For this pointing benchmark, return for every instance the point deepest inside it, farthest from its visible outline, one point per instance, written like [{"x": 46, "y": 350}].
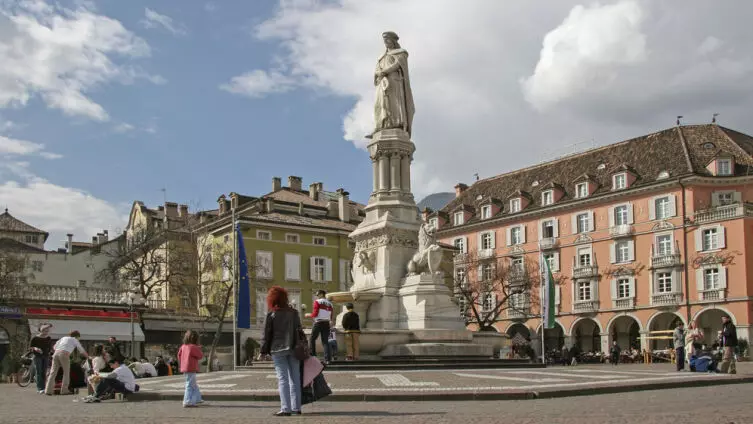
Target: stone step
[{"x": 424, "y": 364}]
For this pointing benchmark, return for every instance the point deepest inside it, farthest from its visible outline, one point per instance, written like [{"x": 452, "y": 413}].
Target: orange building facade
[{"x": 640, "y": 236}]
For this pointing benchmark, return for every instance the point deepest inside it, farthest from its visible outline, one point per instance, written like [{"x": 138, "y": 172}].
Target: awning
[{"x": 90, "y": 330}]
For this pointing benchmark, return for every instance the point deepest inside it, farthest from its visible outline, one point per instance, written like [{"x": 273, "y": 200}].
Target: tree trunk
[{"x": 218, "y": 333}]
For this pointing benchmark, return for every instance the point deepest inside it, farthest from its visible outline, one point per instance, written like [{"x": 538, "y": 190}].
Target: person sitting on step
[{"x": 121, "y": 380}]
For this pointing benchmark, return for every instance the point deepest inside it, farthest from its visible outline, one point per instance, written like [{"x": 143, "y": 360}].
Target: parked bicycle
[{"x": 26, "y": 375}]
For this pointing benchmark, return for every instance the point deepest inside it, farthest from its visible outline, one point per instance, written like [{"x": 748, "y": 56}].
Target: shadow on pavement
[{"x": 368, "y": 413}]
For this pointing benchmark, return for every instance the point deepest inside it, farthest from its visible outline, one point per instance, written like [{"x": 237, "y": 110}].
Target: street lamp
[{"x": 133, "y": 298}]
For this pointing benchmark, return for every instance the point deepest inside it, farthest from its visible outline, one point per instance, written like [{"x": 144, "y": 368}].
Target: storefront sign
[{"x": 10, "y": 311}]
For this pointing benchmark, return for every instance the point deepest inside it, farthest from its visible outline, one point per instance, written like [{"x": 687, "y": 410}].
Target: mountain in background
[{"x": 435, "y": 201}]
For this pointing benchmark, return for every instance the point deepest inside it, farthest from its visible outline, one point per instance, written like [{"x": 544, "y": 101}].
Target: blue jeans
[
  {"x": 288, "y": 380},
  {"x": 192, "y": 395},
  {"x": 320, "y": 330},
  {"x": 40, "y": 369}
]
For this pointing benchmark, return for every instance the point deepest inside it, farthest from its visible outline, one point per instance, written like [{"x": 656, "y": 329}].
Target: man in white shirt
[
  {"x": 120, "y": 380},
  {"x": 62, "y": 359},
  {"x": 149, "y": 369}
]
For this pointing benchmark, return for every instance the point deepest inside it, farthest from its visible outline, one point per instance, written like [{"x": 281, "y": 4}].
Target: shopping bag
[{"x": 318, "y": 389}]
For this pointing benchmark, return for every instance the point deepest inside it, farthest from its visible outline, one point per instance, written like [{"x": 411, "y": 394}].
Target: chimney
[
  {"x": 425, "y": 214},
  {"x": 94, "y": 240},
  {"x": 314, "y": 190},
  {"x": 69, "y": 245},
  {"x": 270, "y": 205},
  {"x": 276, "y": 183},
  {"x": 343, "y": 204},
  {"x": 222, "y": 205},
  {"x": 183, "y": 211},
  {"x": 171, "y": 209},
  {"x": 459, "y": 189},
  {"x": 332, "y": 207},
  {"x": 294, "y": 183}
]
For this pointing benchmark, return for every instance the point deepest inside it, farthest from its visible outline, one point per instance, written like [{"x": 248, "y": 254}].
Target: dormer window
[
  {"x": 434, "y": 222},
  {"x": 458, "y": 218},
  {"x": 515, "y": 205},
  {"x": 547, "y": 197},
  {"x": 581, "y": 190},
  {"x": 486, "y": 211},
  {"x": 724, "y": 167},
  {"x": 619, "y": 181}
]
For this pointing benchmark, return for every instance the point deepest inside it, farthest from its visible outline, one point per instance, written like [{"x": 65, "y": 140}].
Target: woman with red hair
[{"x": 281, "y": 328}]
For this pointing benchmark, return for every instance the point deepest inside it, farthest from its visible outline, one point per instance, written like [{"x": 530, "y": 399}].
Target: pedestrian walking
[
  {"x": 282, "y": 329},
  {"x": 41, "y": 347},
  {"x": 62, "y": 359},
  {"x": 322, "y": 315},
  {"x": 614, "y": 353},
  {"x": 693, "y": 340},
  {"x": 189, "y": 356},
  {"x": 678, "y": 339},
  {"x": 729, "y": 343},
  {"x": 352, "y": 327}
]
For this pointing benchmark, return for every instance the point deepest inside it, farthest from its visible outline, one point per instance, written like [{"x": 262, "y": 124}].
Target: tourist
[
  {"x": 62, "y": 359},
  {"x": 120, "y": 380},
  {"x": 352, "y": 327},
  {"x": 161, "y": 367},
  {"x": 693, "y": 340},
  {"x": 322, "y": 315},
  {"x": 112, "y": 348},
  {"x": 332, "y": 342},
  {"x": 41, "y": 345},
  {"x": 729, "y": 343},
  {"x": 142, "y": 369},
  {"x": 98, "y": 361},
  {"x": 189, "y": 355},
  {"x": 678, "y": 338},
  {"x": 149, "y": 369},
  {"x": 614, "y": 352},
  {"x": 282, "y": 327}
]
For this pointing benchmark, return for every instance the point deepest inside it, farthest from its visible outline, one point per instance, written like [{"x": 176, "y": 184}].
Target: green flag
[{"x": 547, "y": 301}]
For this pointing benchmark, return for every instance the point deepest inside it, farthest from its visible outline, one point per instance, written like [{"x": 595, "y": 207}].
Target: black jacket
[
  {"x": 729, "y": 335},
  {"x": 350, "y": 322},
  {"x": 281, "y": 329}
]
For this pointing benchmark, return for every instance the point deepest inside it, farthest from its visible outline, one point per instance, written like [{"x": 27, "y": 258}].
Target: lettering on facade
[
  {"x": 718, "y": 258},
  {"x": 625, "y": 270}
]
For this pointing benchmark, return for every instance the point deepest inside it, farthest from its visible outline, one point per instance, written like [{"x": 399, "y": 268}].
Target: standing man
[
  {"x": 615, "y": 353},
  {"x": 322, "y": 315},
  {"x": 41, "y": 345},
  {"x": 112, "y": 348},
  {"x": 678, "y": 337},
  {"x": 729, "y": 343},
  {"x": 62, "y": 359},
  {"x": 352, "y": 327}
]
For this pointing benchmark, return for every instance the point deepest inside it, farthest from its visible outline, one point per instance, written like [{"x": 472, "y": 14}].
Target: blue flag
[{"x": 244, "y": 290}]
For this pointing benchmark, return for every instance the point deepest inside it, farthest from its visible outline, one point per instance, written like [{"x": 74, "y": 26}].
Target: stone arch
[
  {"x": 554, "y": 338},
  {"x": 663, "y": 321},
  {"x": 518, "y": 325},
  {"x": 585, "y": 333},
  {"x": 626, "y": 335},
  {"x": 598, "y": 324},
  {"x": 4, "y": 342},
  {"x": 556, "y": 321},
  {"x": 657, "y": 314},
  {"x": 625, "y": 314},
  {"x": 711, "y": 325},
  {"x": 716, "y": 308}
]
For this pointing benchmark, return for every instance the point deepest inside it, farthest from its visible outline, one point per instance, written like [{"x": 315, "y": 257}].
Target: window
[
  {"x": 663, "y": 175},
  {"x": 37, "y": 266},
  {"x": 726, "y": 198},
  {"x": 710, "y": 239},
  {"x": 622, "y": 251},
  {"x": 320, "y": 241},
  {"x": 458, "y": 218},
  {"x": 487, "y": 241},
  {"x": 516, "y": 263},
  {"x": 619, "y": 181},
  {"x": 434, "y": 222},
  {"x": 516, "y": 235},
  {"x": 664, "y": 245},
  {"x": 547, "y": 229},
  {"x": 711, "y": 279},
  {"x": 292, "y": 238},
  {"x": 664, "y": 282},
  {"x": 623, "y": 288},
  {"x": 460, "y": 278},
  {"x": 226, "y": 239},
  {"x": 547, "y": 197},
  {"x": 581, "y": 190},
  {"x": 723, "y": 167},
  {"x": 264, "y": 235},
  {"x": 584, "y": 257},
  {"x": 486, "y": 212},
  {"x": 621, "y": 215},
  {"x": 292, "y": 267},
  {"x": 226, "y": 267},
  {"x": 584, "y": 290},
  {"x": 463, "y": 305},
  {"x": 514, "y": 205},
  {"x": 264, "y": 264},
  {"x": 460, "y": 244},
  {"x": 581, "y": 221},
  {"x": 489, "y": 302},
  {"x": 663, "y": 210},
  {"x": 552, "y": 260},
  {"x": 32, "y": 239},
  {"x": 487, "y": 272},
  {"x": 318, "y": 269},
  {"x": 185, "y": 300}
]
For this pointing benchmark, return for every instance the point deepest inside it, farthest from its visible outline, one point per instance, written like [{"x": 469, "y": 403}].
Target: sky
[{"x": 105, "y": 102}]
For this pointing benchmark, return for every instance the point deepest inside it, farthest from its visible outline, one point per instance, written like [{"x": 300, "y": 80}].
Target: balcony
[
  {"x": 63, "y": 294},
  {"x": 520, "y": 312},
  {"x": 712, "y": 295},
  {"x": 666, "y": 260},
  {"x": 156, "y": 304},
  {"x": 585, "y": 306},
  {"x": 625, "y": 230},
  {"x": 485, "y": 253},
  {"x": 721, "y": 213},
  {"x": 517, "y": 276},
  {"x": 666, "y": 299},
  {"x": 586, "y": 271},
  {"x": 548, "y": 243},
  {"x": 625, "y": 303},
  {"x": 460, "y": 258}
]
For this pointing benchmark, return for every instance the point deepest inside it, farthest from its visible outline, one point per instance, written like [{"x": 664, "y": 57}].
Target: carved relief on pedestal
[{"x": 386, "y": 236}]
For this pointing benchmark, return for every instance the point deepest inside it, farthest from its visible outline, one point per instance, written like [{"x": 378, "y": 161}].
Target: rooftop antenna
[
  {"x": 678, "y": 120},
  {"x": 475, "y": 176},
  {"x": 713, "y": 118}
]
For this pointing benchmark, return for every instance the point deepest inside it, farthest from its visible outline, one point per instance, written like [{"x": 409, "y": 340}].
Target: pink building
[{"x": 641, "y": 234}]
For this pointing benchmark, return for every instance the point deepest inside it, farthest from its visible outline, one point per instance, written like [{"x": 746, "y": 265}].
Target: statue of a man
[{"x": 394, "y": 99}]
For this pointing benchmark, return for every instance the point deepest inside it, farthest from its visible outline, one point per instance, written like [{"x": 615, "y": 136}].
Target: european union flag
[{"x": 243, "y": 318}]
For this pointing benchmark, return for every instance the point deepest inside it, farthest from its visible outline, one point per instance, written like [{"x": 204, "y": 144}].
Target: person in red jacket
[
  {"x": 322, "y": 315},
  {"x": 189, "y": 355}
]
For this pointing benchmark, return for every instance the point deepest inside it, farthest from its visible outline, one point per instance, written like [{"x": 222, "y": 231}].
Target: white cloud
[
  {"x": 709, "y": 45},
  {"x": 124, "y": 127},
  {"x": 586, "y": 52},
  {"x": 153, "y": 19},
  {"x": 51, "y": 156},
  {"x": 259, "y": 83},
  {"x": 11, "y": 146},
  {"x": 62, "y": 54},
  {"x": 210, "y": 7}
]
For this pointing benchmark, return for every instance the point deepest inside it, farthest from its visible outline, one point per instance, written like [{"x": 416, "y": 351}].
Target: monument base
[{"x": 437, "y": 350}]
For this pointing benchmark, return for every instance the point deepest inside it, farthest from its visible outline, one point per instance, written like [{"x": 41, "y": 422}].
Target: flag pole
[
  {"x": 235, "y": 280},
  {"x": 545, "y": 292}
]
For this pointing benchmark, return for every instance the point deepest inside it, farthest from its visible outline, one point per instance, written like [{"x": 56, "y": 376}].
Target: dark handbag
[
  {"x": 301, "y": 350},
  {"x": 318, "y": 389}
]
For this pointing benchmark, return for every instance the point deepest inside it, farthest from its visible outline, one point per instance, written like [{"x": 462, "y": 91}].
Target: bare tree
[
  {"x": 487, "y": 287},
  {"x": 14, "y": 273}
]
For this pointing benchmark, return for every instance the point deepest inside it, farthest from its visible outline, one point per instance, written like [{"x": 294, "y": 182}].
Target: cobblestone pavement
[{"x": 709, "y": 405}]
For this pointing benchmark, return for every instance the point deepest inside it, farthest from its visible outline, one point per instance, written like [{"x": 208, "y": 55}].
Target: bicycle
[{"x": 27, "y": 374}]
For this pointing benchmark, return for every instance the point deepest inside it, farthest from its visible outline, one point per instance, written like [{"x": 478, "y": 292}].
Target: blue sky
[{"x": 103, "y": 102}]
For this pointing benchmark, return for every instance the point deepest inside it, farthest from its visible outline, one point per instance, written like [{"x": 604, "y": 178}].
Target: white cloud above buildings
[{"x": 153, "y": 19}]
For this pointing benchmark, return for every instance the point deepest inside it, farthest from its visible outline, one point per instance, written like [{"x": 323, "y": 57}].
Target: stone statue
[
  {"x": 394, "y": 99},
  {"x": 429, "y": 254},
  {"x": 365, "y": 261}
]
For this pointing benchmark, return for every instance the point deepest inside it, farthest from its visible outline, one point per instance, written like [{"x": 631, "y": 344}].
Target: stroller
[{"x": 704, "y": 360}]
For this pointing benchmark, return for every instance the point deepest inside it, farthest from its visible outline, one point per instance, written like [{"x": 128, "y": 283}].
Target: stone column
[
  {"x": 395, "y": 171},
  {"x": 644, "y": 340},
  {"x": 405, "y": 173},
  {"x": 375, "y": 169},
  {"x": 605, "y": 342},
  {"x": 384, "y": 172}
]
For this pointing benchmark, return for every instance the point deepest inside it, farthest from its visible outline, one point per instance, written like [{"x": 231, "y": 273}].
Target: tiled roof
[
  {"x": 9, "y": 223},
  {"x": 15, "y": 246},
  {"x": 285, "y": 194},
  {"x": 302, "y": 220},
  {"x": 647, "y": 156}
]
